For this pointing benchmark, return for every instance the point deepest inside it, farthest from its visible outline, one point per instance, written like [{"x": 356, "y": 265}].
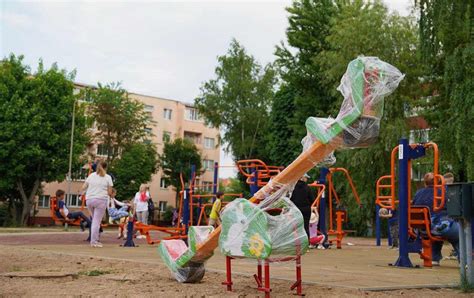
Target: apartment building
[{"x": 172, "y": 119}]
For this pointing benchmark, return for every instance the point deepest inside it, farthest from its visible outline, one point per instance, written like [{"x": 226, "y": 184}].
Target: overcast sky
[{"x": 165, "y": 49}]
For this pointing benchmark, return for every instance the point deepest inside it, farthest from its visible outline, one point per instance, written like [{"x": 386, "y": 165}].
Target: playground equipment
[
  {"x": 202, "y": 202},
  {"x": 411, "y": 218},
  {"x": 53, "y": 207},
  {"x": 273, "y": 233},
  {"x": 337, "y": 215},
  {"x": 190, "y": 200},
  {"x": 364, "y": 85},
  {"x": 175, "y": 232},
  {"x": 256, "y": 172}
]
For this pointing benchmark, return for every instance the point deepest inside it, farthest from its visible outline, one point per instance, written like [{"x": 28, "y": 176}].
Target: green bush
[
  {"x": 4, "y": 215},
  {"x": 168, "y": 214}
]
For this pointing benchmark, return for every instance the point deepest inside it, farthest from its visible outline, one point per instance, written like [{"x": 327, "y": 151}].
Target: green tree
[
  {"x": 235, "y": 186},
  {"x": 238, "y": 100},
  {"x": 447, "y": 48},
  {"x": 303, "y": 94},
  {"x": 282, "y": 151},
  {"x": 367, "y": 28},
  {"x": 177, "y": 158},
  {"x": 35, "y": 130},
  {"x": 120, "y": 120},
  {"x": 137, "y": 163}
]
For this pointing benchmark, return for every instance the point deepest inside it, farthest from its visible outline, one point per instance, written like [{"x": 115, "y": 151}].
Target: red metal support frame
[
  {"x": 298, "y": 282},
  {"x": 228, "y": 266}
]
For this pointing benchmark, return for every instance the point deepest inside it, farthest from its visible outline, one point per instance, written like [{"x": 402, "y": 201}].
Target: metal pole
[
  {"x": 462, "y": 250},
  {"x": 377, "y": 225},
  {"x": 469, "y": 271},
  {"x": 322, "y": 204},
  {"x": 69, "y": 178},
  {"x": 403, "y": 157},
  {"x": 216, "y": 179},
  {"x": 186, "y": 209}
]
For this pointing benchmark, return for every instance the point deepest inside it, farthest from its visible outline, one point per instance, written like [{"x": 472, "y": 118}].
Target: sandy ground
[{"x": 139, "y": 272}]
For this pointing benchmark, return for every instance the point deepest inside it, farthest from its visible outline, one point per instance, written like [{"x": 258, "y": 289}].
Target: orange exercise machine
[
  {"x": 336, "y": 216},
  {"x": 414, "y": 221}
]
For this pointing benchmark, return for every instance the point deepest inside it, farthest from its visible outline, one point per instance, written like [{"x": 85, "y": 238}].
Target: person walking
[{"x": 98, "y": 188}]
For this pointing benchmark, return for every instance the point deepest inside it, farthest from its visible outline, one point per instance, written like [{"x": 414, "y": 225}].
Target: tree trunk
[{"x": 27, "y": 200}]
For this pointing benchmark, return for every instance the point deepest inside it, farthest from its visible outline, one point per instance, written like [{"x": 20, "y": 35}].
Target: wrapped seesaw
[{"x": 253, "y": 228}]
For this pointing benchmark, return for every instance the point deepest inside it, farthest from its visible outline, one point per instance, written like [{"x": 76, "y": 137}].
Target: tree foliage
[
  {"x": 238, "y": 101},
  {"x": 282, "y": 150},
  {"x": 120, "y": 120},
  {"x": 302, "y": 95},
  {"x": 136, "y": 165},
  {"x": 447, "y": 48},
  {"x": 177, "y": 158},
  {"x": 234, "y": 186},
  {"x": 35, "y": 130},
  {"x": 393, "y": 39},
  {"x": 328, "y": 35}
]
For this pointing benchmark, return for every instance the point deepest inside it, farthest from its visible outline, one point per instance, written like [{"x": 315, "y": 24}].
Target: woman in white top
[
  {"x": 141, "y": 204},
  {"x": 98, "y": 187}
]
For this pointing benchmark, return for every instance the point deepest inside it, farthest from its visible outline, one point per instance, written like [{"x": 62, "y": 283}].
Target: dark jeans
[
  {"x": 306, "y": 218},
  {"x": 394, "y": 233},
  {"x": 438, "y": 245},
  {"x": 452, "y": 236},
  {"x": 79, "y": 214}
]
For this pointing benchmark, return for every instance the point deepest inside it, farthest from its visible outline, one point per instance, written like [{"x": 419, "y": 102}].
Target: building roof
[{"x": 188, "y": 104}]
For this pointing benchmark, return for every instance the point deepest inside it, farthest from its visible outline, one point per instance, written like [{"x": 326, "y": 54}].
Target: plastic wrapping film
[
  {"x": 180, "y": 258},
  {"x": 274, "y": 227},
  {"x": 310, "y": 139},
  {"x": 364, "y": 85}
]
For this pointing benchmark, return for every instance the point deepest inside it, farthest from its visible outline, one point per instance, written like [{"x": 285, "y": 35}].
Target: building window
[
  {"x": 148, "y": 108},
  {"x": 167, "y": 113},
  {"x": 43, "y": 202},
  {"x": 193, "y": 137},
  {"x": 191, "y": 114},
  {"x": 162, "y": 206},
  {"x": 209, "y": 143},
  {"x": 208, "y": 165},
  {"x": 419, "y": 135},
  {"x": 163, "y": 183},
  {"x": 147, "y": 131},
  {"x": 149, "y": 116},
  {"x": 207, "y": 186},
  {"x": 102, "y": 150},
  {"x": 166, "y": 136},
  {"x": 73, "y": 200}
]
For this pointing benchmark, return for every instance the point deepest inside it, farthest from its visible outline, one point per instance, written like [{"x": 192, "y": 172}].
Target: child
[
  {"x": 316, "y": 239},
  {"x": 174, "y": 221},
  {"x": 117, "y": 214},
  {"x": 216, "y": 208},
  {"x": 63, "y": 212},
  {"x": 393, "y": 223}
]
